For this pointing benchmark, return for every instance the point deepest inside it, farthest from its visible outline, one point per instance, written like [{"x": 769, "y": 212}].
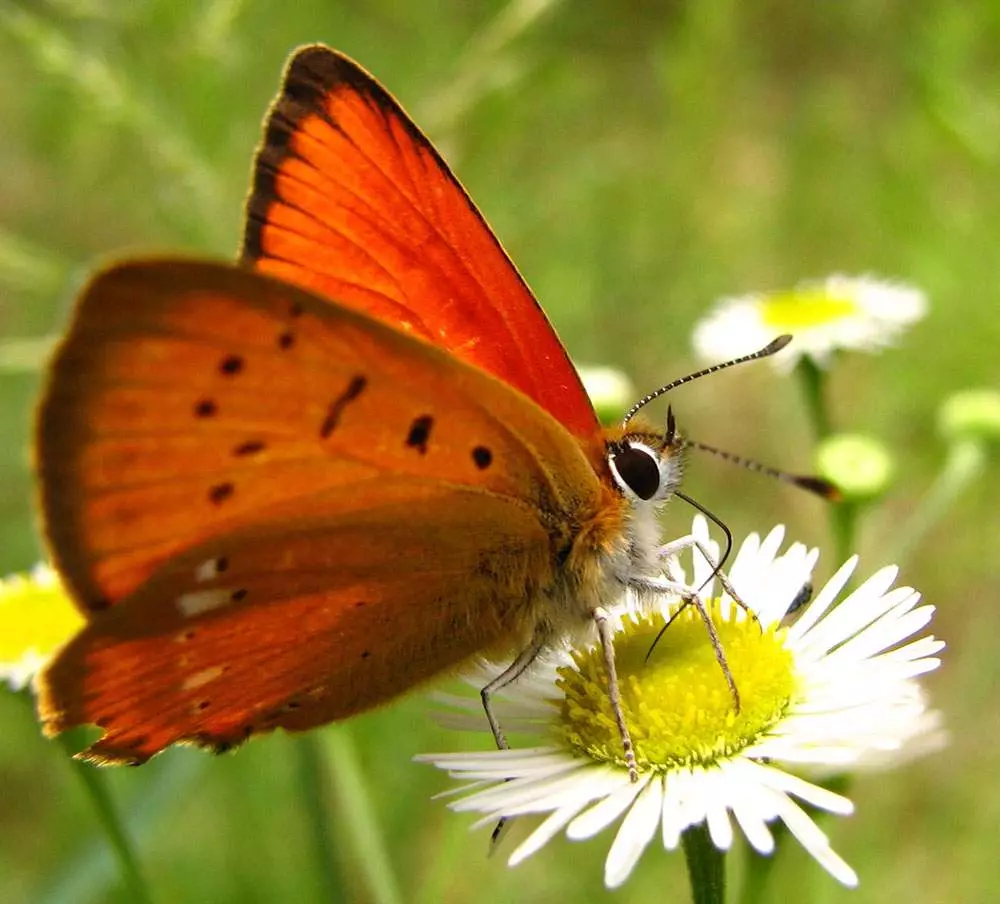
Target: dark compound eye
[{"x": 638, "y": 471}]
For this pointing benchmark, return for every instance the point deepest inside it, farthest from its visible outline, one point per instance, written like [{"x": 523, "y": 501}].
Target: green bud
[
  {"x": 610, "y": 391},
  {"x": 973, "y": 414},
  {"x": 860, "y": 466}
]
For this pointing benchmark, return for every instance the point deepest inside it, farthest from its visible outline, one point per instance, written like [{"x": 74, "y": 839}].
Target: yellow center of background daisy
[
  {"x": 36, "y": 616},
  {"x": 801, "y": 308},
  {"x": 678, "y": 706}
]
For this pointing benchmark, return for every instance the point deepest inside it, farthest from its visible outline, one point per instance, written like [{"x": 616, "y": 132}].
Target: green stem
[
  {"x": 364, "y": 837},
  {"x": 95, "y": 784},
  {"x": 312, "y": 787},
  {"x": 966, "y": 461},
  {"x": 843, "y": 516},
  {"x": 811, "y": 380},
  {"x": 844, "y": 529},
  {"x": 706, "y": 866}
]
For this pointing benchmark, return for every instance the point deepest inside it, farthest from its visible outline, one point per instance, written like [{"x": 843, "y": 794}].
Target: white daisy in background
[
  {"x": 830, "y": 692},
  {"x": 36, "y": 619},
  {"x": 611, "y": 391},
  {"x": 839, "y": 312}
]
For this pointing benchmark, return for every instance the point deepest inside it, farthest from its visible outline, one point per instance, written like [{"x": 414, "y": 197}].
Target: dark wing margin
[{"x": 349, "y": 198}]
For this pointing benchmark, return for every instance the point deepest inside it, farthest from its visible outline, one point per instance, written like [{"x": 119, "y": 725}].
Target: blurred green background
[{"x": 638, "y": 160}]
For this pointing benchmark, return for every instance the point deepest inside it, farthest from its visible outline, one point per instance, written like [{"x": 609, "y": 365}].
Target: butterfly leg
[
  {"x": 509, "y": 675},
  {"x": 675, "y": 547},
  {"x": 606, "y": 635},
  {"x": 691, "y": 597}
]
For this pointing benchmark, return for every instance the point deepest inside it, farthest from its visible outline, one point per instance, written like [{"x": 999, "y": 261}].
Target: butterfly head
[{"x": 646, "y": 464}]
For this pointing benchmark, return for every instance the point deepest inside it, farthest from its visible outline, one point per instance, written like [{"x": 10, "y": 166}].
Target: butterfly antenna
[
  {"x": 776, "y": 345},
  {"x": 819, "y": 486}
]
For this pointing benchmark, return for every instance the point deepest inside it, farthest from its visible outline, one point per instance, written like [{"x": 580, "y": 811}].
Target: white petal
[
  {"x": 703, "y": 569},
  {"x": 772, "y": 543},
  {"x": 545, "y": 832},
  {"x": 747, "y": 804},
  {"x": 720, "y": 829},
  {"x": 745, "y": 565},
  {"x": 520, "y": 796},
  {"x": 461, "y": 789},
  {"x": 635, "y": 833},
  {"x": 811, "y": 837},
  {"x": 672, "y": 824},
  {"x": 789, "y": 575},
  {"x": 864, "y": 606},
  {"x": 887, "y": 632},
  {"x": 606, "y": 811},
  {"x": 813, "y": 794},
  {"x": 823, "y": 600}
]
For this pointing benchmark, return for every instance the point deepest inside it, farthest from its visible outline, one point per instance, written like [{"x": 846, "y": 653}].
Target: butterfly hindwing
[{"x": 298, "y": 622}]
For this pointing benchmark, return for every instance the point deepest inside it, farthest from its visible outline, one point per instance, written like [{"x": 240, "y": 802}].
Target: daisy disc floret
[
  {"x": 839, "y": 312},
  {"x": 36, "y": 619},
  {"x": 829, "y": 689}
]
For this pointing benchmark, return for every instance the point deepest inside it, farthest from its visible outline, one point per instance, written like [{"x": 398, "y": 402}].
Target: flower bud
[{"x": 861, "y": 466}]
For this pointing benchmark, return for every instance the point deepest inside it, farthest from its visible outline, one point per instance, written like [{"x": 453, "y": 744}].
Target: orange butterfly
[{"x": 288, "y": 492}]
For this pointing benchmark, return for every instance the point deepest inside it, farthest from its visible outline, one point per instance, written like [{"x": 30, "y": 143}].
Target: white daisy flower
[
  {"x": 36, "y": 618},
  {"x": 832, "y": 691},
  {"x": 839, "y": 312},
  {"x": 610, "y": 391}
]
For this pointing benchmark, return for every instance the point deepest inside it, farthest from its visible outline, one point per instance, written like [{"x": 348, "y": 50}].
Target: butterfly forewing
[
  {"x": 349, "y": 198},
  {"x": 172, "y": 413},
  {"x": 259, "y": 485}
]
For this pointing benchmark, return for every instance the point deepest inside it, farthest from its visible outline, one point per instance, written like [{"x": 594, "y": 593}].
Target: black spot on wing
[
  {"x": 420, "y": 432},
  {"x": 231, "y": 365},
  {"x": 205, "y": 408},
  {"x": 337, "y": 406},
  {"x": 238, "y": 596},
  {"x": 286, "y": 339},
  {"x": 482, "y": 457},
  {"x": 250, "y": 447},
  {"x": 220, "y": 492}
]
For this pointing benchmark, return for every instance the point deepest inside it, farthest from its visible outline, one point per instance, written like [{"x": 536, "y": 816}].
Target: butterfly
[{"x": 287, "y": 491}]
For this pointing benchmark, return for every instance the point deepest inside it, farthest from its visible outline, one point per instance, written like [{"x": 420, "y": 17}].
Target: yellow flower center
[
  {"x": 36, "y": 616},
  {"x": 802, "y": 308},
  {"x": 677, "y": 705}
]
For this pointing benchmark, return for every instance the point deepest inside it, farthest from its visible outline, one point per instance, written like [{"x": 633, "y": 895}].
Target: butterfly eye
[{"x": 638, "y": 470}]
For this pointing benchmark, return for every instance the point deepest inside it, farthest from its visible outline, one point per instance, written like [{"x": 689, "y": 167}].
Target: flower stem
[
  {"x": 966, "y": 461},
  {"x": 811, "y": 381},
  {"x": 350, "y": 788},
  {"x": 95, "y": 783},
  {"x": 843, "y": 515},
  {"x": 706, "y": 866},
  {"x": 312, "y": 786},
  {"x": 844, "y": 529}
]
